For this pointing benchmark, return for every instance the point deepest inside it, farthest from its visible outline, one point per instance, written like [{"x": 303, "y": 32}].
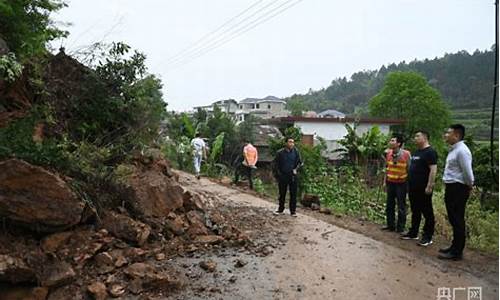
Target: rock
[
  {"x": 325, "y": 210},
  {"x": 216, "y": 218},
  {"x": 160, "y": 256},
  {"x": 146, "y": 277},
  {"x": 225, "y": 180},
  {"x": 72, "y": 292},
  {"x": 315, "y": 206},
  {"x": 193, "y": 202},
  {"x": 118, "y": 258},
  {"x": 37, "y": 198},
  {"x": 139, "y": 270},
  {"x": 98, "y": 291},
  {"x": 57, "y": 274},
  {"x": 134, "y": 254},
  {"x": 309, "y": 199},
  {"x": 104, "y": 263},
  {"x": 52, "y": 242},
  {"x": 150, "y": 193},
  {"x": 232, "y": 279},
  {"x": 175, "y": 224},
  {"x": 208, "y": 265},
  {"x": 208, "y": 239},
  {"x": 40, "y": 293},
  {"x": 126, "y": 228},
  {"x": 196, "y": 224},
  {"x": 239, "y": 263},
  {"x": 116, "y": 290},
  {"x": 14, "y": 270}
]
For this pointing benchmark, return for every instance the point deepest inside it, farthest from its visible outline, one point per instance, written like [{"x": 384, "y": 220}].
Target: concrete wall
[{"x": 332, "y": 132}]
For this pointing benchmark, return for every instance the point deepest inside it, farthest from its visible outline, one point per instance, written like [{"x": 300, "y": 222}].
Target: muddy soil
[{"x": 312, "y": 258}]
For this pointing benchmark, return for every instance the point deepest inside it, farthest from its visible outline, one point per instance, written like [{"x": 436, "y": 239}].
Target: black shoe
[
  {"x": 450, "y": 256},
  {"x": 424, "y": 242},
  {"x": 445, "y": 250},
  {"x": 400, "y": 230},
  {"x": 278, "y": 212},
  {"x": 408, "y": 236},
  {"x": 388, "y": 228}
]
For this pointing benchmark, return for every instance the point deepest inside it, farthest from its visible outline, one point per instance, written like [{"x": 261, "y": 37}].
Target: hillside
[{"x": 464, "y": 80}]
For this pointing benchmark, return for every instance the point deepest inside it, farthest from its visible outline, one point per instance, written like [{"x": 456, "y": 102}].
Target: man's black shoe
[
  {"x": 445, "y": 250},
  {"x": 450, "y": 256},
  {"x": 388, "y": 228}
]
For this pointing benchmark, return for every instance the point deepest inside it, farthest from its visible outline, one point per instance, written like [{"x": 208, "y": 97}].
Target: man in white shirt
[
  {"x": 459, "y": 179},
  {"x": 199, "y": 151}
]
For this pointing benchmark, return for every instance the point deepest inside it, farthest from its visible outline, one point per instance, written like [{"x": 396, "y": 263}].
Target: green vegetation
[
  {"x": 464, "y": 80},
  {"x": 407, "y": 96},
  {"x": 26, "y": 26}
]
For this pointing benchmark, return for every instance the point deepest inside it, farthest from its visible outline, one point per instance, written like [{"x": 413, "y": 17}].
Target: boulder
[
  {"x": 58, "y": 273},
  {"x": 196, "y": 224},
  {"x": 124, "y": 227},
  {"x": 175, "y": 224},
  {"x": 208, "y": 265},
  {"x": 98, "y": 290},
  {"x": 309, "y": 199},
  {"x": 54, "y": 241},
  {"x": 325, "y": 210},
  {"x": 193, "y": 202},
  {"x": 152, "y": 194},
  {"x": 14, "y": 270},
  {"x": 146, "y": 277},
  {"x": 37, "y": 198}
]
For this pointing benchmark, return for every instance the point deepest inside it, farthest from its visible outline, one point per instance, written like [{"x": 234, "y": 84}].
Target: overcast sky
[{"x": 275, "y": 47}]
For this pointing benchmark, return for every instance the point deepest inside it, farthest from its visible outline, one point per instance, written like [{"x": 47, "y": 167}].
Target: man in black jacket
[{"x": 285, "y": 166}]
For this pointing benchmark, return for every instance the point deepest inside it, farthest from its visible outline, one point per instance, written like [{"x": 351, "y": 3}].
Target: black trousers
[
  {"x": 421, "y": 204},
  {"x": 455, "y": 198},
  {"x": 246, "y": 171},
  {"x": 287, "y": 182},
  {"x": 396, "y": 192}
]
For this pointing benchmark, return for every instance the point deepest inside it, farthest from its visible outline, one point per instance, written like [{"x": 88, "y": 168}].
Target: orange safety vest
[{"x": 397, "y": 170}]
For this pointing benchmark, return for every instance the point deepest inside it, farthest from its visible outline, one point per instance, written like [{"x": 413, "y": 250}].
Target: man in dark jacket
[{"x": 285, "y": 166}]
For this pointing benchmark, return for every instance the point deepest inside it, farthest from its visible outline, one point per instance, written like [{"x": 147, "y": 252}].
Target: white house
[
  {"x": 333, "y": 129},
  {"x": 265, "y": 108}
]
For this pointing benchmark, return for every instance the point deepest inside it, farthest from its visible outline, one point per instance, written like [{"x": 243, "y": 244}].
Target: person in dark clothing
[
  {"x": 285, "y": 166},
  {"x": 422, "y": 174}
]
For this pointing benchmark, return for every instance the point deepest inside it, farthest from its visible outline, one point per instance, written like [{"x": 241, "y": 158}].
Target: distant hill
[{"x": 464, "y": 80}]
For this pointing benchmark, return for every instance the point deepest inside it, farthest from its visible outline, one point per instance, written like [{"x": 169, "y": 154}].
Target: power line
[
  {"x": 221, "y": 34},
  {"x": 236, "y": 34},
  {"x": 214, "y": 31}
]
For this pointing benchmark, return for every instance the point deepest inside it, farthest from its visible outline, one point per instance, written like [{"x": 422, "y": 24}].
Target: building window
[
  {"x": 253, "y": 106},
  {"x": 258, "y": 105},
  {"x": 241, "y": 106},
  {"x": 269, "y": 106}
]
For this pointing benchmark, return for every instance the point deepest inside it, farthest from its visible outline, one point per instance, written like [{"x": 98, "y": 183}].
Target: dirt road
[{"x": 311, "y": 259}]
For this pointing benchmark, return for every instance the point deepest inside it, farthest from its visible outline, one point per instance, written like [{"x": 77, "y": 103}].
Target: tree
[
  {"x": 408, "y": 96},
  {"x": 26, "y": 27},
  {"x": 296, "y": 107}
]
